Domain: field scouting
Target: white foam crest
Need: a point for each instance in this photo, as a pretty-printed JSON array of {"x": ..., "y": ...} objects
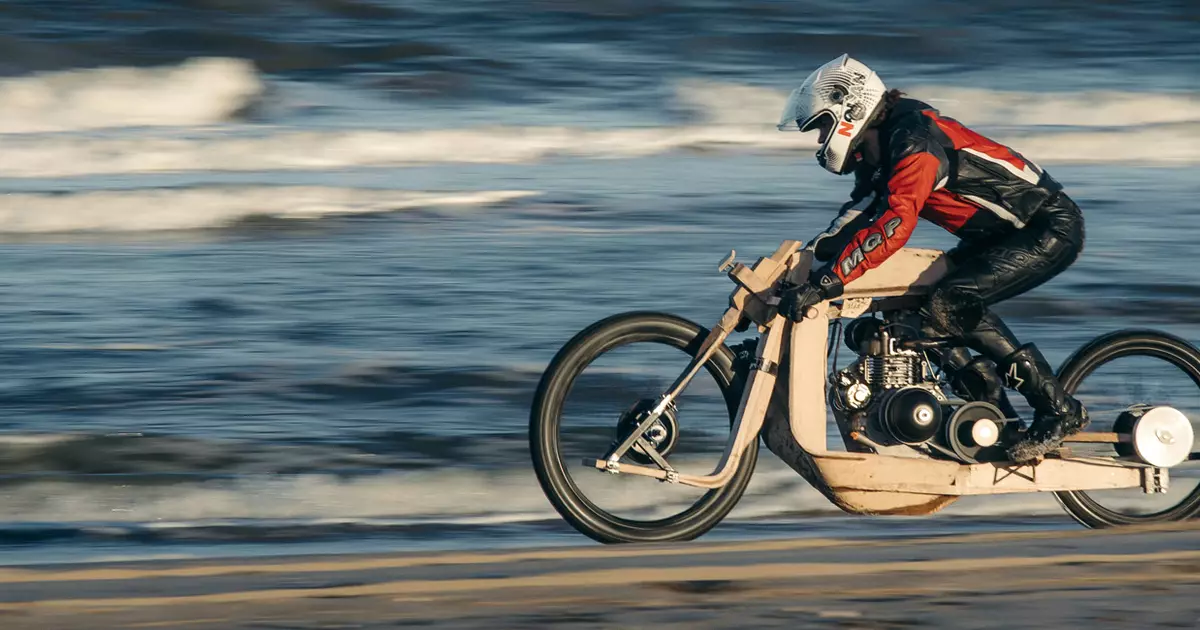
[
  {"x": 1069, "y": 109},
  {"x": 65, "y": 156},
  {"x": 199, "y": 91},
  {"x": 730, "y": 103},
  {"x": 61, "y": 156},
  {"x": 194, "y": 208},
  {"x": 738, "y": 104},
  {"x": 1173, "y": 145}
]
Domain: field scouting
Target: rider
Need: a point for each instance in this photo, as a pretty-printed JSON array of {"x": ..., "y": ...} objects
[{"x": 1017, "y": 230}]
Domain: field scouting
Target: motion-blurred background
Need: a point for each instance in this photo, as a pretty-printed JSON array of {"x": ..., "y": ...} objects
[{"x": 282, "y": 275}]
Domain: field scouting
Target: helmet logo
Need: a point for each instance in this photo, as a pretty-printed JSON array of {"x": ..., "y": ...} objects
[
  {"x": 846, "y": 129},
  {"x": 856, "y": 85}
]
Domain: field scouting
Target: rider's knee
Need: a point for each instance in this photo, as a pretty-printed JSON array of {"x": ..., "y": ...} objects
[{"x": 953, "y": 310}]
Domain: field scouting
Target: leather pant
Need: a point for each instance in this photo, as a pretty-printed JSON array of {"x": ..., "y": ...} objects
[{"x": 987, "y": 272}]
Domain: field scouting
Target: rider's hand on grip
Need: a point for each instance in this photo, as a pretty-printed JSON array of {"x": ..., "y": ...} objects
[{"x": 794, "y": 300}]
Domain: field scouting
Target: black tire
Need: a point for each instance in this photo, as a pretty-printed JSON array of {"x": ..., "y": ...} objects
[
  {"x": 546, "y": 415},
  {"x": 1127, "y": 343}
]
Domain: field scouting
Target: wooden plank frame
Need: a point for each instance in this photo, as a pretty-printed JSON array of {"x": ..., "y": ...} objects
[
  {"x": 861, "y": 482},
  {"x": 863, "y": 478}
]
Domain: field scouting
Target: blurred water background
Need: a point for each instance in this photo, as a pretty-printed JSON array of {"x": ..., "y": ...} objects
[{"x": 282, "y": 275}]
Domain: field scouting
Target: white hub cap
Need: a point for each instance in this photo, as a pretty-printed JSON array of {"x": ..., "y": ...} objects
[
  {"x": 1163, "y": 437},
  {"x": 985, "y": 432}
]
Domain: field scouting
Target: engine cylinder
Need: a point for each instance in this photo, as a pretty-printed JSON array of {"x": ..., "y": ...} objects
[
  {"x": 912, "y": 415},
  {"x": 892, "y": 371}
]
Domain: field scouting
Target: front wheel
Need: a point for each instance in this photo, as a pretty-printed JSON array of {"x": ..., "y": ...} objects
[
  {"x": 585, "y": 401},
  {"x": 1112, "y": 373}
]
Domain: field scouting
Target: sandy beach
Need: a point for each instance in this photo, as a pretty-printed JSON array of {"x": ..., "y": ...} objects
[{"x": 1135, "y": 578}]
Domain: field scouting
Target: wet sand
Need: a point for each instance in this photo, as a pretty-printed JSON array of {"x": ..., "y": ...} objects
[{"x": 1132, "y": 578}]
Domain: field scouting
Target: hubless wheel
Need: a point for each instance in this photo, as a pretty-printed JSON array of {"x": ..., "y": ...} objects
[
  {"x": 555, "y": 472},
  {"x": 1087, "y": 506}
]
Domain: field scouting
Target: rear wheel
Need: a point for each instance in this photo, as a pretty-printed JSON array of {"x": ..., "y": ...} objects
[
  {"x": 588, "y": 399},
  {"x": 1109, "y": 375}
]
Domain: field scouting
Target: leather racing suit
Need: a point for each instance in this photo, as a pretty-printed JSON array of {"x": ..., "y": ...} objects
[{"x": 1017, "y": 231}]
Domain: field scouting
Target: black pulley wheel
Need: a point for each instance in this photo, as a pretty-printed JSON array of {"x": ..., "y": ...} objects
[
  {"x": 1110, "y": 375},
  {"x": 589, "y": 398}
]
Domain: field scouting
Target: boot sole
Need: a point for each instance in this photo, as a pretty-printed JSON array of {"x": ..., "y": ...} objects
[{"x": 1034, "y": 455}]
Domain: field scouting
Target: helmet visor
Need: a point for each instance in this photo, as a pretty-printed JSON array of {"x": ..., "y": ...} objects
[
  {"x": 797, "y": 111},
  {"x": 822, "y": 121}
]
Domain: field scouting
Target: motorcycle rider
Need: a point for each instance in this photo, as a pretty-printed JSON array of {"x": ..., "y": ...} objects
[{"x": 1017, "y": 230}]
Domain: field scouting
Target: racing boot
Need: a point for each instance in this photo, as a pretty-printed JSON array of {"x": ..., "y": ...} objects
[
  {"x": 977, "y": 380},
  {"x": 1056, "y": 414}
]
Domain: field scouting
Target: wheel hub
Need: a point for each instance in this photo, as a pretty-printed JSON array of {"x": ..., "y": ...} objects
[
  {"x": 1160, "y": 436},
  {"x": 663, "y": 434}
]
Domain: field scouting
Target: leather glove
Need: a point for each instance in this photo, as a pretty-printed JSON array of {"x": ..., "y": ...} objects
[{"x": 795, "y": 299}]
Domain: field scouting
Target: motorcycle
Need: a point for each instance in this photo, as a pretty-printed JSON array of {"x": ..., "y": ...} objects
[{"x": 910, "y": 444}]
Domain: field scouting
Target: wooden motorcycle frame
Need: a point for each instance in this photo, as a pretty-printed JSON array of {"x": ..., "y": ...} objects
[{"x": 791, "y": 365}]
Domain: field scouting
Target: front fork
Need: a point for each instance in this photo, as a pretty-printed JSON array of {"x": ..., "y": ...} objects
[
  {"x": 756, "y": 397},
  {"x": 710, "y": 345},
  {"x": 753, "y": 300}
]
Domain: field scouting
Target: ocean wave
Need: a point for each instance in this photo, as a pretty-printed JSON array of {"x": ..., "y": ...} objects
[
  {"x": 212, "y": 207},
  {"x": 201, "y": 488},
  {"x": 294, "y": 150},
  {"x": 200, "y": 91},
  {"x": 163, "y": 459},
  {"x": 155, "y": 459},
  {"x": 740, "y": 104},
  {"x": 184, "y": 116},
  {"x": 445, "y": 495}
]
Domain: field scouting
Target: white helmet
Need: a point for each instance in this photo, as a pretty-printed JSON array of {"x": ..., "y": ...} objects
[{"x": 845, "y": 95}]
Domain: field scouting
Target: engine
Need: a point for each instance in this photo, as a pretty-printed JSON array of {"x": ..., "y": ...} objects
[
  {"x": 891, "y": 400},
  {"x": 889, "y": 396}
]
